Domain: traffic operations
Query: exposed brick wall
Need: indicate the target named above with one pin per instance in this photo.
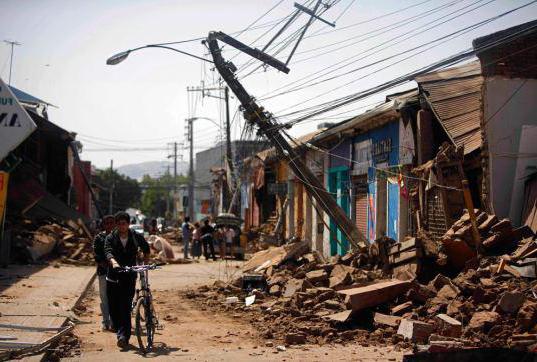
(517, 59)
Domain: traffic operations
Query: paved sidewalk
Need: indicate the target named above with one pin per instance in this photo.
(35, 301)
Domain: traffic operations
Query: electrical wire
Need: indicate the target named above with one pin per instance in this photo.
(369, 51)
(457, 58)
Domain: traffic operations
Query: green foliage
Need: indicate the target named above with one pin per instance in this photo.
(127, 191)
(156, 194)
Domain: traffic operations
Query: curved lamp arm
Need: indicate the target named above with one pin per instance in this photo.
(119, 57)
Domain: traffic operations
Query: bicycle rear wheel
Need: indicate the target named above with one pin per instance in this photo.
(144, 325)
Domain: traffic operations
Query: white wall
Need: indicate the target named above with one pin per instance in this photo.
(505, 118)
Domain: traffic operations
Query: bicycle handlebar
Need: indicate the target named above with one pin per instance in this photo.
(139, 268)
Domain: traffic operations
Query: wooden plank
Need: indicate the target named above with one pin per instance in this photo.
(375, 294)
(403, 246)
(386, 320)
(404, 256)
(28, 328)
(16, 344)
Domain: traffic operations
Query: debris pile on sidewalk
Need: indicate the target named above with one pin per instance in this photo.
(71, 241)
(293, 295)
(495, 235)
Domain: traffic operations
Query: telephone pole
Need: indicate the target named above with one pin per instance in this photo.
(111, 189)
(190, 139)
(12, 43)
(229, 153)
(174, 156)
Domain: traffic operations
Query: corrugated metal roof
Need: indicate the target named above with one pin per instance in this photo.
(455, 97)
(374, 117)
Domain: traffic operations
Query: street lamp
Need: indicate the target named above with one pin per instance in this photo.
(119, 57)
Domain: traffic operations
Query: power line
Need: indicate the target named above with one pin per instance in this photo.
(441, 40)
(457, 58)
(341, 64)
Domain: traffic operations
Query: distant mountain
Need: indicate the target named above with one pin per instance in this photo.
(151, 168)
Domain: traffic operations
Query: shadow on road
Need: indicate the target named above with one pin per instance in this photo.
(159, 349)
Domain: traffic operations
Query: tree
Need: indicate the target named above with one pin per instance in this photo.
(156, 198)
(127, 191)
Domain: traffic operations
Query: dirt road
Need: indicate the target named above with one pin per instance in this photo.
(193, 333)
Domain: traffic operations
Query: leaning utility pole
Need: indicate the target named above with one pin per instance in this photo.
(12, 43)
(272, 130)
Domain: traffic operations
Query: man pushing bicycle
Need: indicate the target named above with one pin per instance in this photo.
(121, 248)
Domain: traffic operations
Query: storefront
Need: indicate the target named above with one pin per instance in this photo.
(379, 161)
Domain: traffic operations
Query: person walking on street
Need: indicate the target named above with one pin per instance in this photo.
(207, 239)
(121, 248)
(196, 241)
(229, 235)
(186, 230)
(108, 224)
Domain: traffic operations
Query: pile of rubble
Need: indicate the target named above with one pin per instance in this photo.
(71, 241)
(494, 235)
(293, 295)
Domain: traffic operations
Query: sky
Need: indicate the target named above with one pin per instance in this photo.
(131, 112)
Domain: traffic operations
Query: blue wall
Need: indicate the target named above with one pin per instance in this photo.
(385, 150)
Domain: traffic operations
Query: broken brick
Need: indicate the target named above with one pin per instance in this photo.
(483, 321)
(386, 320)
(448, 326)
(374, 294)
(317, 276)
(510, 302)
(415, 331)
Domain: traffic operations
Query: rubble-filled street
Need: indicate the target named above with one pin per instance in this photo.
(269, 180)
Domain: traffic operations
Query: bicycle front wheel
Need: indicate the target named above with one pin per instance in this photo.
(145, 325)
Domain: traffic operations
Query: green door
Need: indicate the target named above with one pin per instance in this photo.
(338, 186)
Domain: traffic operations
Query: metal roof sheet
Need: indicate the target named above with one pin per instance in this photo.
(455, 97)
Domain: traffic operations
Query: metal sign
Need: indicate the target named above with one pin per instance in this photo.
(15, 123)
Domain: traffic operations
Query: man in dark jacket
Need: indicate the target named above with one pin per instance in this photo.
(121, 248)
(207, 238)
(108, 224)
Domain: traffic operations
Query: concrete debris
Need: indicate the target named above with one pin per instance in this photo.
(447, 326)
(375, 294)
(415, 331)
(510, 302)
(356, 297)
(386, 320)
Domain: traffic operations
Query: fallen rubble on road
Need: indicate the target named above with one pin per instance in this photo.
(372, 297)
(69, 241)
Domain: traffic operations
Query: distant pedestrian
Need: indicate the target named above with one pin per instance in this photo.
(196, 241)
(229, 235)
(153, 227)
(207, 239)
(186, 230)
(121, 248)
(108, 224)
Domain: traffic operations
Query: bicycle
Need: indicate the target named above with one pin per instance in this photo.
(146, 320)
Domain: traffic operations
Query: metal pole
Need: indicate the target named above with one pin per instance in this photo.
(229, 154)
(11, 62)
(191, 169)
(174, 178)
(12, 43)
(111, 189)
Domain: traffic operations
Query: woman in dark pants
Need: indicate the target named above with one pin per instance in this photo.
(121, 249)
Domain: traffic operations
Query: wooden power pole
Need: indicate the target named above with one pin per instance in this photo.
(271, 129)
